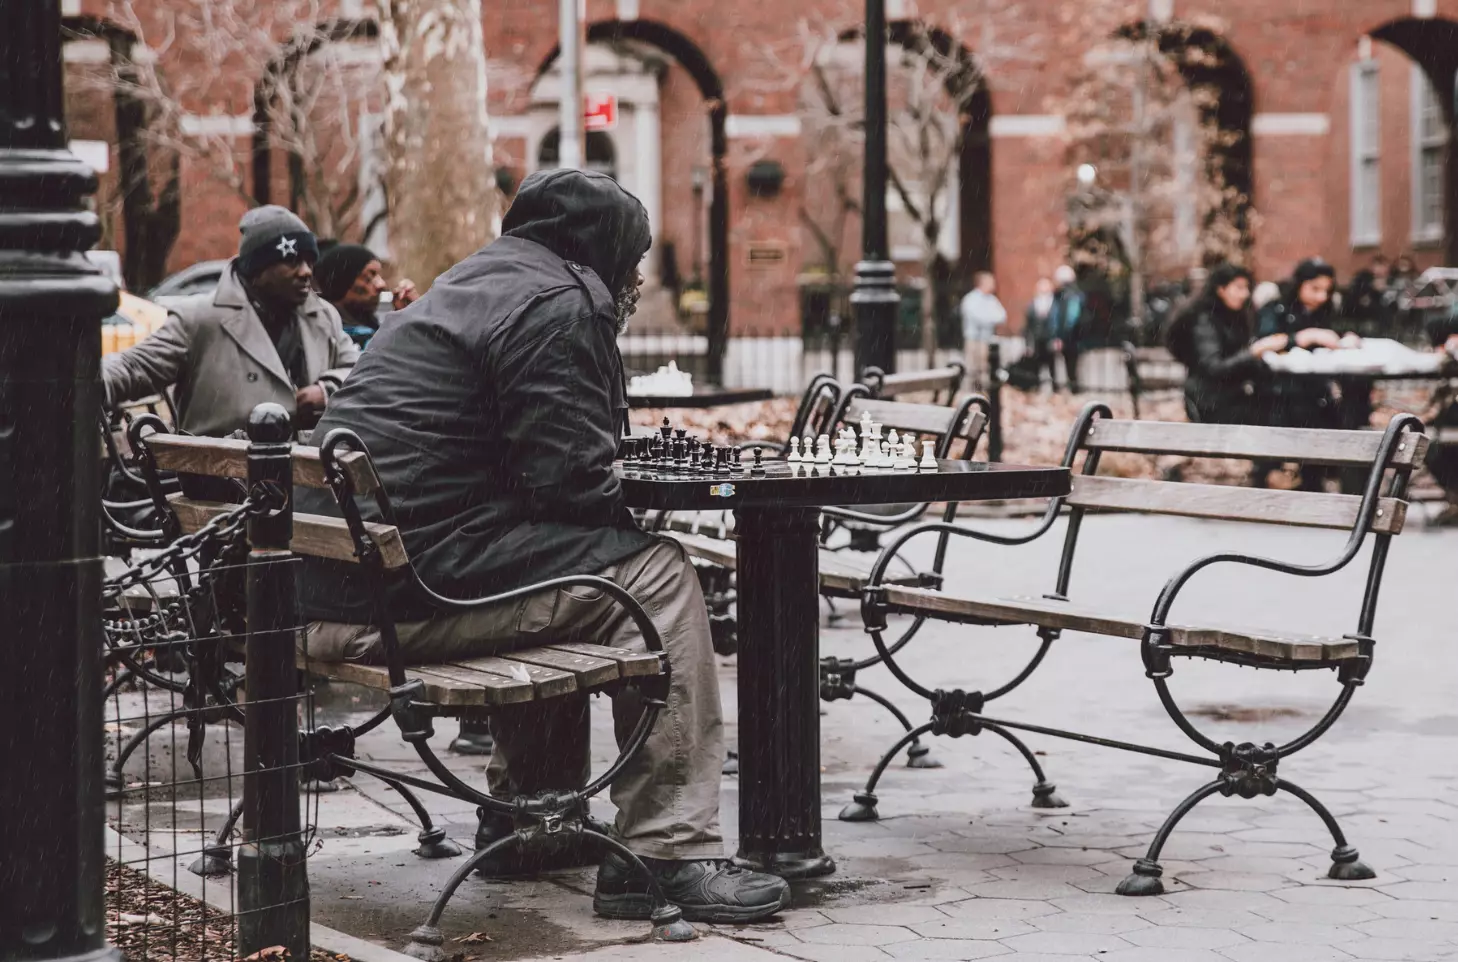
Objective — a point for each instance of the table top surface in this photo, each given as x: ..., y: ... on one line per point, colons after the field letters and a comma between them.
x: 704, y: 396
x: 792, y: 485
x: 1376, y: 359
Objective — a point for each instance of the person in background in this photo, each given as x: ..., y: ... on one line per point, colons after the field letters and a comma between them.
x: 1300, y: 318
x: 1212, y: 335
x: 1442, y: 459
x: 351, y: 277
x: 1037, y: 332
x: 1365, y: 306
x: 981, y: 313
x: 263, y: 335
x: 1065, y: 321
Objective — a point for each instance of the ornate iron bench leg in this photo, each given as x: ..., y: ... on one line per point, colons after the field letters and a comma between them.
x: 1346, y: 865
x: 217, y: 859
x: 1045, y: 793
x: 1145, y: 879
x: 863, y: 808
x: 918, y: 755
x: 432, y: 838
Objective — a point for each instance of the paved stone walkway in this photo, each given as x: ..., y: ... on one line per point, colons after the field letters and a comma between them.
x: 960, y: 867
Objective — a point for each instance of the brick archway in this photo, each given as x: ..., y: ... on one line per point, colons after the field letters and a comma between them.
x: 692, y: 58
x: 1433, y: 45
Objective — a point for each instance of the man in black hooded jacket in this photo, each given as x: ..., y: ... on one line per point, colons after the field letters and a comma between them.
x: 492, y: 407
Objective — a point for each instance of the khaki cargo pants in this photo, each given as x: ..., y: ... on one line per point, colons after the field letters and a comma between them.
x: 668, y: 796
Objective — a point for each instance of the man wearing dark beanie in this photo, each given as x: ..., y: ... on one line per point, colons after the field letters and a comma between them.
x: 351, y: 277
x: 263, y: 335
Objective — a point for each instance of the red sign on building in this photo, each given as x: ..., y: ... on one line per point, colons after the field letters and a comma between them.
x: 600, y: 112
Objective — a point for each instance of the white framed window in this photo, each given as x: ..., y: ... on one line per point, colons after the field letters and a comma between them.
x: 1429, y: 159
x: 1366, y: 138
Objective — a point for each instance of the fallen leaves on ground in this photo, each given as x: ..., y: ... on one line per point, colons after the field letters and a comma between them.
x: 474, y: 937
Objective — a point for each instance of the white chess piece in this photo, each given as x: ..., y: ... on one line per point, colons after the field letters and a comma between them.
x: 868, y: 450
x: 822, y: 449
x: 893, y: 441
x: 928, y: 458
x: 852, y: 456
x: 794, y: 454
x: 905, y: 456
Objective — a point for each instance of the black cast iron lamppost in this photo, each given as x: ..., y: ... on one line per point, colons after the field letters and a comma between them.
x: 875, y: 299
x: 52, y: 301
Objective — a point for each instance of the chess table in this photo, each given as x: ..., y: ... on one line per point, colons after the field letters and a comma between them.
x: 777, y: 525
x: 704, y: 396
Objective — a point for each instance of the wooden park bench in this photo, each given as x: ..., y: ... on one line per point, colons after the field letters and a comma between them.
x: 1151, y: 369
x: 1246, y: 769
x: 470, y: 689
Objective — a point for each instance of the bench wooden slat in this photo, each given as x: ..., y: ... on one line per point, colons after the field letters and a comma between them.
x: 912, y: 382
x: 442, y: 688
x: 1315, y: 446
x: 837, y: 573
x: 919, y: 418
x: 631, y: 664
x: 1228, y: 503
x: 315, y: 535
x: 1045, y: 612
x: 589, y: 669
x: 228, y: 458
x: 548, y: 682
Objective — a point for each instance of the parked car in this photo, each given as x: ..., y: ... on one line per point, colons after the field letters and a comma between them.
x: 134, y: 319
x: 200, y: 278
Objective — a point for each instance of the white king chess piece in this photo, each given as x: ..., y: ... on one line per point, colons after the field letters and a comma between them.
x: 794, y: 454
x: 928, y: 457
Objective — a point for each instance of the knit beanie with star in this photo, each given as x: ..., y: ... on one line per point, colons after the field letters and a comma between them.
x: 272, y: 234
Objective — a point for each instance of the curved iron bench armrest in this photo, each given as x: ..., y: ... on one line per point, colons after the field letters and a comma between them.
x: 879, y: 520
x: 883, y: 560
x: 1371, y: 494
x: 779, y: 447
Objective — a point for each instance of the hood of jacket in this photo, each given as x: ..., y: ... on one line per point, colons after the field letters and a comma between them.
x: 584, y: 217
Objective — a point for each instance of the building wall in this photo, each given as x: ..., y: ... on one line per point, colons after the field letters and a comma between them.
x: 1296, y: 54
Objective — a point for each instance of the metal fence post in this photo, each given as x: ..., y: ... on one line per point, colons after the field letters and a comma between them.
x: 52, y: 301
x: 273, y: 881
x: 996, y: 377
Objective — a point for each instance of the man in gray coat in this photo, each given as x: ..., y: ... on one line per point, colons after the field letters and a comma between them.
x: 263, y: 335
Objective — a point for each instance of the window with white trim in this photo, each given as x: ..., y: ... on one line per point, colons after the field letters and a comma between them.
x: 1366, y: 137
x: 1429, y: 158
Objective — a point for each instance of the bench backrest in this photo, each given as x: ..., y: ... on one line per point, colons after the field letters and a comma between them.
x: 940, y: 382
x: 228, y: 458
x: 1231, y: 503
x: 315, y: 535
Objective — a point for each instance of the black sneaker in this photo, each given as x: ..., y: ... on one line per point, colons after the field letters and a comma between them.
x: 707, y: 890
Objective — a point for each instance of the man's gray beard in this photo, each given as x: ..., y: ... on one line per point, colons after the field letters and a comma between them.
x: 625, y: 305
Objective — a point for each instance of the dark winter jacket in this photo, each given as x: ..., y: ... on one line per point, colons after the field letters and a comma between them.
x: 1213, y: 343
x: 1296, y: 401
x: 493, y: 406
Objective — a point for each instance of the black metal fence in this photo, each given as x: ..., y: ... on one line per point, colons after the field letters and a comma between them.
x: 205, y: 840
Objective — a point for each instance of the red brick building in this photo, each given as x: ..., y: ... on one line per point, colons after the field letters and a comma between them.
x: 1346, y: 121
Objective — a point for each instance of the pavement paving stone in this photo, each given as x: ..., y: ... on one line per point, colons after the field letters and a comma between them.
x: 1028, y: 889
x: 1331, y: 893
x: 1203, y: 918
x: 1045, y: 873
x: 1425, y: 891
x: 1090, y: 922
x: 1184, y: 937
x: 958, y: 950
x: 838, y: 933
x: 1400, y: 950
x: 1317, y: 913
x: 1161, y: 954
x: 1396, y: 909
x: 974, y: 929
x: 1102, y: 903
x: 1234, y: 881
x: 1065, y: 943
x: 886, y: 914
x: 1423, y: 929
x: 1296, y: 933
x: 961, y: 860
x: 828, y: 953
x: 1278, y: 952
x: 1426, y: 873
x: 1062, y: 855
x: 997, y: 908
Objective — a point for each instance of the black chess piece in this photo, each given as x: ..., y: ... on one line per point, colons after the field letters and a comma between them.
x: 655, y: 448
x: 706, y: 457
x: 680, y: 451
x: 693, y: 450
x: 721, y: 460
x: 666, y: 429
x: 734, y: 464
x: 758, y: 466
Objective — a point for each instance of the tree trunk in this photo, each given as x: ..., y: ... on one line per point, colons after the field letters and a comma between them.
x: 438, y: 176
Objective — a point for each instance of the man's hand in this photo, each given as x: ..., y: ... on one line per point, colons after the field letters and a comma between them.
x: 405, y: 295
x: 310, y: 401
x: 1318, y: 337
x: 1268, y: 344
x: 1056, y: 344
